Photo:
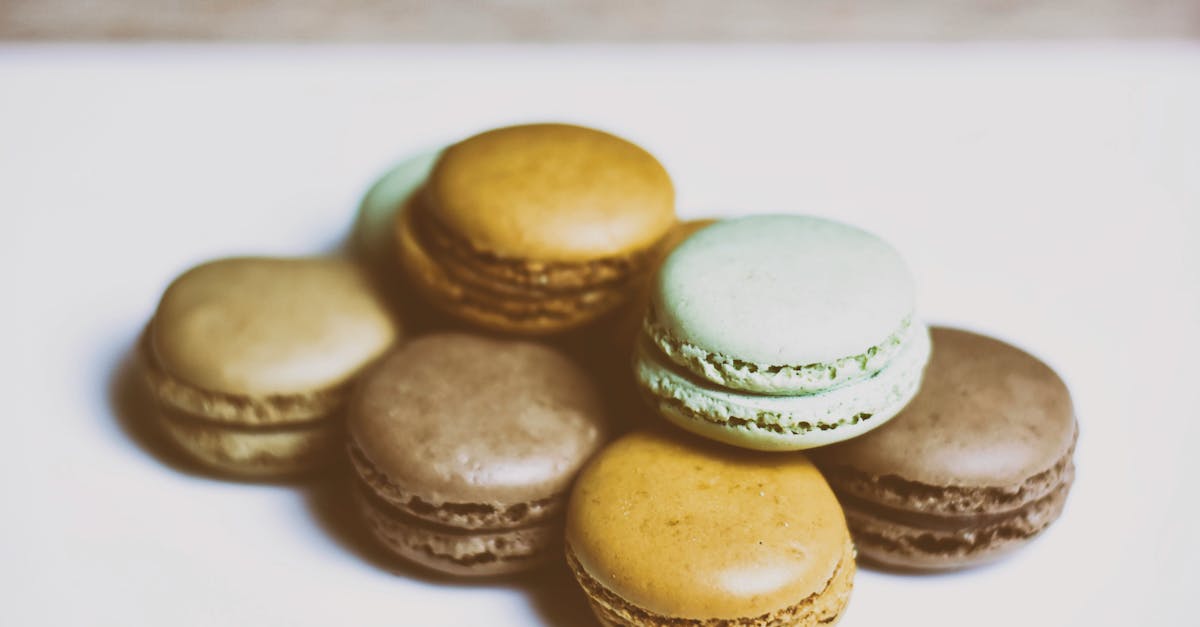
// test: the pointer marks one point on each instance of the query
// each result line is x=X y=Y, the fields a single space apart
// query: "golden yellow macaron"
x=535 y=229
x=251 y=360
x=664 y=528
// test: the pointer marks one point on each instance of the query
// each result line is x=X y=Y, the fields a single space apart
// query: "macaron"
x=464 y=448
x=535 y=229
x=781 y=332
x=975 y=467
x=664 y=528
x=252 y=360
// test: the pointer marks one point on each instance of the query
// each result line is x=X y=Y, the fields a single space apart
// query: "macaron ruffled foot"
x=781 y=333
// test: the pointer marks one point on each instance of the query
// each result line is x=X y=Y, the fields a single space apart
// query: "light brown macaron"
x=976 y=466
x=252 y=360
x=665 y=529
x=464 y=449
x=535 y=229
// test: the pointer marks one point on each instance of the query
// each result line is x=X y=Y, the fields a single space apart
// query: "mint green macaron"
x=782 y=332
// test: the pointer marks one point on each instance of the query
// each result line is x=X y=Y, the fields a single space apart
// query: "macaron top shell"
x=987 y=415
x=551 y=193
x=468 y=419
x=690 y=529
x=260 y=326
x=783 y=290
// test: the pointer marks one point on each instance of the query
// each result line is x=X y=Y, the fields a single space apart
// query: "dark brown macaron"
x=977 y=465
x=465 y=447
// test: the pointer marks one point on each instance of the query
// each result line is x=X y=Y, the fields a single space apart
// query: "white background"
x=1047 y=194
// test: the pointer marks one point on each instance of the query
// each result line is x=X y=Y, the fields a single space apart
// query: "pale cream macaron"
x=251 y=360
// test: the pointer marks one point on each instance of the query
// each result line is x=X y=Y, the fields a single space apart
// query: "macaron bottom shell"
x=275 y=452
x=458 y=552
x=908 y=542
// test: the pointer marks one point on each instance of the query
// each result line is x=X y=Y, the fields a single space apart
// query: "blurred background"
x=595 y=20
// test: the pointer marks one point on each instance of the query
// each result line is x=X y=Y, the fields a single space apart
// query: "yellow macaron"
x=664 y=528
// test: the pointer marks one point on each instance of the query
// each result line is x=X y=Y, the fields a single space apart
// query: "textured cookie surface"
x=552 y=193
x=780 y=291
x=684 y=528
x=259 y=326
x=464 y=419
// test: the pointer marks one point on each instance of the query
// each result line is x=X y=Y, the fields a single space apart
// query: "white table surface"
x=1046 y=194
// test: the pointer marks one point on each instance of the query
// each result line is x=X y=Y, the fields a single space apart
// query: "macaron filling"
x=465 y=516
x=459 y=546
x=899 y=494
x=697 y=403
x=782 y=379
x=954 y=541
x=474 y=537
x=513 y=303
x=526 y=273
x=275 y=410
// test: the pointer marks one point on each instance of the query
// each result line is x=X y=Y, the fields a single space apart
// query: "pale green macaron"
x=782 y=332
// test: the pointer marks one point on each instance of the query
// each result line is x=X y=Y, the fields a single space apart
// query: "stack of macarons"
x=516 y=289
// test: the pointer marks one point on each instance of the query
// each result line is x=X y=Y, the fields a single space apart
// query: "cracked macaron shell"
x=551 y=193
x=461 y=419
x=686 y=528
x=260 y=327
x=781 y=423
x=791 y=291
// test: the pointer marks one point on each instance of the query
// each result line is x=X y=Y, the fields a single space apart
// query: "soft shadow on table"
x=556 y=598
x=552 y=591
